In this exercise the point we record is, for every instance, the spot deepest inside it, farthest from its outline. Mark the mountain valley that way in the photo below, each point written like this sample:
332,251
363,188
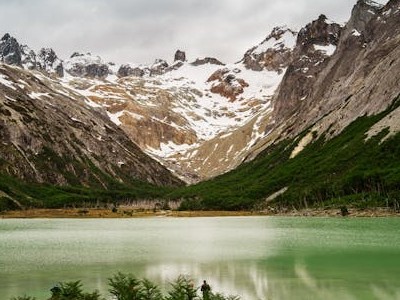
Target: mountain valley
301,119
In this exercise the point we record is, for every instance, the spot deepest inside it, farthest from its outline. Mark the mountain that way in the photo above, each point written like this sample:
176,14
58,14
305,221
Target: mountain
199,119
359,78
50,135
333,134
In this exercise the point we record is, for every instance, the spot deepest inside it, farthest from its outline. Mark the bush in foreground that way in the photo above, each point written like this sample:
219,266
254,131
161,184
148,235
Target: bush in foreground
128,287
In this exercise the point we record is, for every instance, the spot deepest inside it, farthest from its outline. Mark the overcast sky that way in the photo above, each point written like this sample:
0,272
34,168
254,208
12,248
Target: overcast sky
141,30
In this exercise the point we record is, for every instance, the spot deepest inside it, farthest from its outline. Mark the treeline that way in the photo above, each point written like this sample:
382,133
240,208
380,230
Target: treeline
128,287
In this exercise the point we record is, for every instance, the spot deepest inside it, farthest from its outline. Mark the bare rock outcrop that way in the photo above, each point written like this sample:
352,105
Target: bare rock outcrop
180,56
225,83
128,70
207,60
158,67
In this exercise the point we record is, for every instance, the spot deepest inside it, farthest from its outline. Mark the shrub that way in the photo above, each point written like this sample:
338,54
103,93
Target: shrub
182,289
128,287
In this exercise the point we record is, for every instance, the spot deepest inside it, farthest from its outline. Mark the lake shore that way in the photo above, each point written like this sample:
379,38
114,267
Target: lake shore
132,213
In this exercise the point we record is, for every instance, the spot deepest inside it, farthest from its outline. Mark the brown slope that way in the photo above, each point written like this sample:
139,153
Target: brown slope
49,134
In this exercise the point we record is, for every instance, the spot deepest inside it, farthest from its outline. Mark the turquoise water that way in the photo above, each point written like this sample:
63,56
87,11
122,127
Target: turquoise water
254,257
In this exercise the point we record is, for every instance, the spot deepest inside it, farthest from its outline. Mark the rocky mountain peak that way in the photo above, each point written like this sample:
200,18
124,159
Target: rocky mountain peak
28,57
180,56
319,32
10,52
274,53
278,31
6,37
87,65
47,60
363,12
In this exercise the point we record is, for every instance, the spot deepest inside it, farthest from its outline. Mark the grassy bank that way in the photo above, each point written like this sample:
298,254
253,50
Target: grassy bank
131,213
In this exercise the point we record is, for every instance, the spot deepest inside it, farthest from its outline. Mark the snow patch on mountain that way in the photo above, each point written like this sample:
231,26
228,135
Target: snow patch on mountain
281,37
328,49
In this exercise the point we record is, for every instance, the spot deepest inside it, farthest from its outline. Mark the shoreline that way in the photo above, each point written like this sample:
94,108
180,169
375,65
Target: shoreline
125,213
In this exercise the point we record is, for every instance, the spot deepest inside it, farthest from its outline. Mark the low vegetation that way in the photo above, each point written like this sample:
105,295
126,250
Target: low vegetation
128,287
17,194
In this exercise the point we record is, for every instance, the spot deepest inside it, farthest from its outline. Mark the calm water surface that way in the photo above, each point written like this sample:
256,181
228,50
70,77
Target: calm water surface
254,257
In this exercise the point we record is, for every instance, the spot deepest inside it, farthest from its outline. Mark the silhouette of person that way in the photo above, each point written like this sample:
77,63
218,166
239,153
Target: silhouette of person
205,289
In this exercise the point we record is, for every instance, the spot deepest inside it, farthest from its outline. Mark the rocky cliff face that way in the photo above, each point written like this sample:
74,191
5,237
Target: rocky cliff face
315,45
359,78
50,134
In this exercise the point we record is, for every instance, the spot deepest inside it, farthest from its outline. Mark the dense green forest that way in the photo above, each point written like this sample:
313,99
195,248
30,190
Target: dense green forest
345,170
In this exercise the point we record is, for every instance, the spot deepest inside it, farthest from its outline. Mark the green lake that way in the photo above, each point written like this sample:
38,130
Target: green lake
253,257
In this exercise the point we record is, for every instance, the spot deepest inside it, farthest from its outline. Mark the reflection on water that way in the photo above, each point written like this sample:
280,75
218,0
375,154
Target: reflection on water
255,257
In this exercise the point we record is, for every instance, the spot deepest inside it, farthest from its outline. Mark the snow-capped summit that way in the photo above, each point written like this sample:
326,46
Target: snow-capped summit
87,65
47,60
28,57
10,52
274,53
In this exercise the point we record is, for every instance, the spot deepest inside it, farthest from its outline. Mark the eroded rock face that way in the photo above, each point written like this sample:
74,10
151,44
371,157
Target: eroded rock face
225,83
362,13
275,53
10,52
207,60
315,44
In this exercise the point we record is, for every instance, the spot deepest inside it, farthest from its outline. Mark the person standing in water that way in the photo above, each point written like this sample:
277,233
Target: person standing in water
205,289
